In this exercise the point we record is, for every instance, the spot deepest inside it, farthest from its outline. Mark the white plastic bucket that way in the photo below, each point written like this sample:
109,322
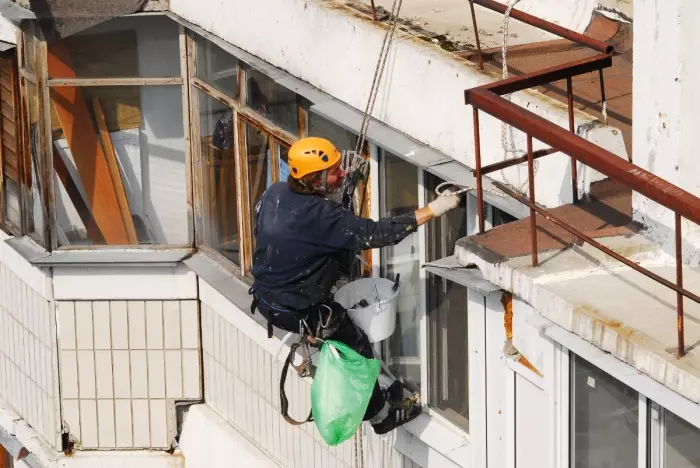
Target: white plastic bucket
378,320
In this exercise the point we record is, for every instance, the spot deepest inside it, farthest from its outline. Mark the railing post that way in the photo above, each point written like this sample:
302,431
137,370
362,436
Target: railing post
574,169
476,35
679,282
533,216
479,184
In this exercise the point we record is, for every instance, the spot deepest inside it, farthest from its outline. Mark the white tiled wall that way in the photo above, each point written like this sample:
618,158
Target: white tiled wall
241,382
123,366
28,369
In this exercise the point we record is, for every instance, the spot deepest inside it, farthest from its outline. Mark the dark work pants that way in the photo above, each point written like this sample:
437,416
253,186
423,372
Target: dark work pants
345,332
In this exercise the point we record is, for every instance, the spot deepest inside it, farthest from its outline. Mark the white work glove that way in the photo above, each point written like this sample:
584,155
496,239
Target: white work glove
443,204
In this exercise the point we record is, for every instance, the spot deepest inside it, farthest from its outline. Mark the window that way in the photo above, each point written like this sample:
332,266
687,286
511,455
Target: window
604,419
120,159
35,206
399,195
146,47
219,179
10,144
324,128
217,67
448,356
272,101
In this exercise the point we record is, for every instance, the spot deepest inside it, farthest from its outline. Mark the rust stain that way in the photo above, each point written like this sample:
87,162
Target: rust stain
524,361
507,301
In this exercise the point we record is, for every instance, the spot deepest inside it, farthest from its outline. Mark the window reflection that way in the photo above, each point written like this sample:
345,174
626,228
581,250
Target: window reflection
274,102
605,419
217,67
218,173
399,195
682,443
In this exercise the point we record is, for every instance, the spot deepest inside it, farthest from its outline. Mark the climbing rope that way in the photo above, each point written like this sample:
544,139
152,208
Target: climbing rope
378,73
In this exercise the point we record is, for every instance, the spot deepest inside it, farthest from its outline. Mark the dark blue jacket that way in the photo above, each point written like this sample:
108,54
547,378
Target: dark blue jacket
299,239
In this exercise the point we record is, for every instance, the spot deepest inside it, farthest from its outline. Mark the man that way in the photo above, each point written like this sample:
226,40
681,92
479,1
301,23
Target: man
300,236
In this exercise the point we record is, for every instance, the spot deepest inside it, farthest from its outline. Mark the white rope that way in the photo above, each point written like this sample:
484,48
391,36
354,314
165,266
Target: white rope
605,111
508,144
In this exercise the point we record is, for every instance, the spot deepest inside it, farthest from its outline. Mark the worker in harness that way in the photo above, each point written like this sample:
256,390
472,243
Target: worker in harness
299,237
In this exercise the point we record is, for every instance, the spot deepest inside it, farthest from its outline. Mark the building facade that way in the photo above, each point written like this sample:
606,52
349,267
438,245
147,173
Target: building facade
135,148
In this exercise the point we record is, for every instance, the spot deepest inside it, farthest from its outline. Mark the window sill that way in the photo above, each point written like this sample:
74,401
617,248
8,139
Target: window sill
107,257
472,278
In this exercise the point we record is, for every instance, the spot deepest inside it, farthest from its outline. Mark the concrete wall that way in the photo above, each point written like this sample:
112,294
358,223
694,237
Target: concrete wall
28,365
422,94
665,111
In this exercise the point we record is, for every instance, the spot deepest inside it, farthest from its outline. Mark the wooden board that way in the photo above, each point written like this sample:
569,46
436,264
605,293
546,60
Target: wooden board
90,160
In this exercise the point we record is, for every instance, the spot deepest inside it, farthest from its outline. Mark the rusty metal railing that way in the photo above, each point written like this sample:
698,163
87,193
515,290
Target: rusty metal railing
489,99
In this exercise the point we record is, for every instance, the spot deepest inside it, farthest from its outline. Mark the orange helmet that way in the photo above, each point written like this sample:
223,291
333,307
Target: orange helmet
312,155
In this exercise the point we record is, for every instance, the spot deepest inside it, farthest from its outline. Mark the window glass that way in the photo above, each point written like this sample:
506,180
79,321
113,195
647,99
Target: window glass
37,216
604,419
682,443
145,46
448,365
324,128
11,121
274,102
399,195
217,67
120,161
258,154
218,175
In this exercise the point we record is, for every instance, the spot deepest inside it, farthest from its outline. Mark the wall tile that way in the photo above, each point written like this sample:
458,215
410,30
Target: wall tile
191,374
159,430
190,324
156,374
101,319
154,325
173,373
86,374
171,323
106,423
139,374
104,373
88,424
122,374
137,324
66,321
119,325
124,429
83,324
142,423
69,374
71,413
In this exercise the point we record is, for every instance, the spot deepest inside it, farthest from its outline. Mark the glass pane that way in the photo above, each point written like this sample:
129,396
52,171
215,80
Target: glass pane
217,67
35,202
274,102
448,369
284,162
147,46
258,156
218,173
449,354
29,49
130,187
11,146
341,138
605,419
682,443
399,195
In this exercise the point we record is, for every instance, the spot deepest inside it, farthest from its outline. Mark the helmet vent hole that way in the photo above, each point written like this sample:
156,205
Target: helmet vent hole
324,158
295,170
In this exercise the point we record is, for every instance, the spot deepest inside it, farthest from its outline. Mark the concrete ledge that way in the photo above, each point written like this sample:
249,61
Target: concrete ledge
607,304
209,441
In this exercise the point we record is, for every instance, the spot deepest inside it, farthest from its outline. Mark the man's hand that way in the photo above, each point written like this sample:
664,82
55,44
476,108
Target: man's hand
443,204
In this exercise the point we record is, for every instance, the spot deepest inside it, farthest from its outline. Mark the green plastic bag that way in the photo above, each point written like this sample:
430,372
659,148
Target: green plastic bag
341,391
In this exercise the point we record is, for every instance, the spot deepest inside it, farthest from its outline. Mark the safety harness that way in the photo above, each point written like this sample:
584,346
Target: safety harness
307,338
